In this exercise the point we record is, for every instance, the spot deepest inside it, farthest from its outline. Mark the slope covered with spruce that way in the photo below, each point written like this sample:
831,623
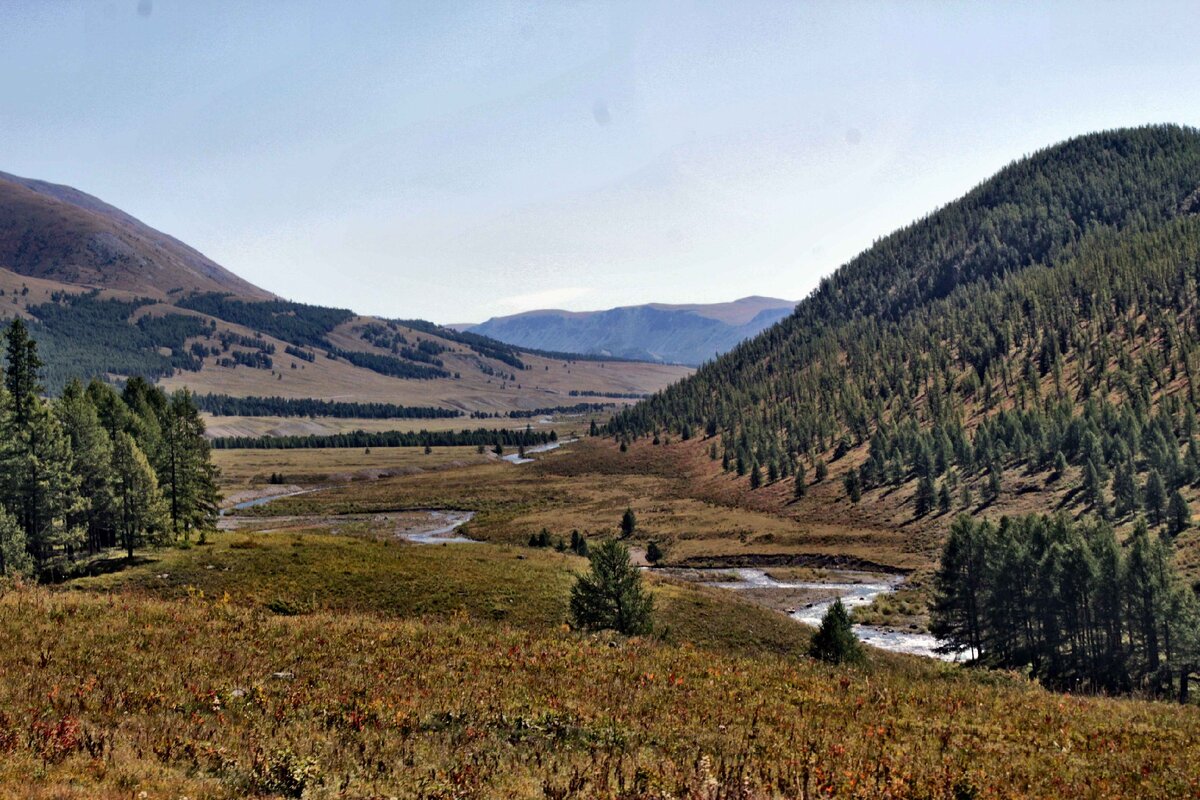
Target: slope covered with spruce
678,334
1031,346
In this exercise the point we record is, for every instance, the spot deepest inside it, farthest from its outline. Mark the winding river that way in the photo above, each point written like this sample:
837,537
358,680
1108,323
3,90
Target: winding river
866,586
516,458
856,589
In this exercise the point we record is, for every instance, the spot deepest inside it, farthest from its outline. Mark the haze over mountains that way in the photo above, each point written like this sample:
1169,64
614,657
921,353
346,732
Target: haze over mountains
676,334
108,296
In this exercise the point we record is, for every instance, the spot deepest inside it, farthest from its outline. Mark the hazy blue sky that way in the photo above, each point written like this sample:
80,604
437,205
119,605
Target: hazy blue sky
453,161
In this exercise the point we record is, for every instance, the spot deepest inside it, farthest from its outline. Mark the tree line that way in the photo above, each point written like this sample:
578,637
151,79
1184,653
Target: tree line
95,468
480,437
1069,602
224,405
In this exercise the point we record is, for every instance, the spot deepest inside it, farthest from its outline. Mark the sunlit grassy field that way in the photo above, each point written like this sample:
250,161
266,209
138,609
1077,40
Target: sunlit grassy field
112,694
241,468
324,660
305,426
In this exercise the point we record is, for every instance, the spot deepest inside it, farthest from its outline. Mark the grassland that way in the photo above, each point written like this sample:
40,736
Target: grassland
111,695
243,468
336,661
307,426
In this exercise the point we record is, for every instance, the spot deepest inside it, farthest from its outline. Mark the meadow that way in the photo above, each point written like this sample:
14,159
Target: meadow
120,694
311,653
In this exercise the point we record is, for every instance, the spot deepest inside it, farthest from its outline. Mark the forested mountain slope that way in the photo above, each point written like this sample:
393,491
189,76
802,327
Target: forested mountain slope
1047,324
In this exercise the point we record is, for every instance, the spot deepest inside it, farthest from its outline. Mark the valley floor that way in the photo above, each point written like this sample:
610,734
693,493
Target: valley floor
314,649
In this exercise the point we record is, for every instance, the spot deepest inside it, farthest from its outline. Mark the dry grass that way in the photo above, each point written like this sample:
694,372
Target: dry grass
109,696
307,426
240,468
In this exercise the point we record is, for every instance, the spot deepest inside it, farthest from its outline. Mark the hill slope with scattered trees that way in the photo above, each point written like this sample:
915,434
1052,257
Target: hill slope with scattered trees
1042,332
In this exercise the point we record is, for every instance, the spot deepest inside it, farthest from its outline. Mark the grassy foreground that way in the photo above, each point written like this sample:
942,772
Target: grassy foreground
111,696
304,572
320,666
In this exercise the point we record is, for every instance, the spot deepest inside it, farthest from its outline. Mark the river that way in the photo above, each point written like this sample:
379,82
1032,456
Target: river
856,589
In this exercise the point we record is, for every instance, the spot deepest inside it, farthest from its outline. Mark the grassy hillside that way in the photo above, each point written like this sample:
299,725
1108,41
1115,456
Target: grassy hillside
271,348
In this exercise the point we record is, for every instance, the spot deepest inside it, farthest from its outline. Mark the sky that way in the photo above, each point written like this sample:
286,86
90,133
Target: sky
455,161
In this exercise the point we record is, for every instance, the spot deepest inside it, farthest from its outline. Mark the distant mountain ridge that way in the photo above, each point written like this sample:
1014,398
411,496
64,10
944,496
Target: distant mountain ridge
106,295
679,334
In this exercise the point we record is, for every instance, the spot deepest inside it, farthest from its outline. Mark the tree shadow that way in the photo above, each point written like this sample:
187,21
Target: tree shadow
104,565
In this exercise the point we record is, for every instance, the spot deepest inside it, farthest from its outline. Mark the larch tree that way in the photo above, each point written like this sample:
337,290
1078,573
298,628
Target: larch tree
141,512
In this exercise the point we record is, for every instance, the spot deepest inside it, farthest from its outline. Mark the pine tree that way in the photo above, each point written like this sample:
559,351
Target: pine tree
853,486
1155,495
945,499
958,610
39,488
835,641
800,488
1060,465
611,595
1125,493
654,553
21,376
141,512
1179,516
91,448
925,497
1093,490
185,470
822,471
14,552
994,483
628,523
756,477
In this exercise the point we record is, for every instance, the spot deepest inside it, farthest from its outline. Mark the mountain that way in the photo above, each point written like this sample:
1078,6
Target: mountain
60,233
106,295
1032,346
678,334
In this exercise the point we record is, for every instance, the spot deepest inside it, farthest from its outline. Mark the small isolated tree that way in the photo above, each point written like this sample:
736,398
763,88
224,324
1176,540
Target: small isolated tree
611,595
654,553
835,641
628,523
755,476
822,470
800,488
853,485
